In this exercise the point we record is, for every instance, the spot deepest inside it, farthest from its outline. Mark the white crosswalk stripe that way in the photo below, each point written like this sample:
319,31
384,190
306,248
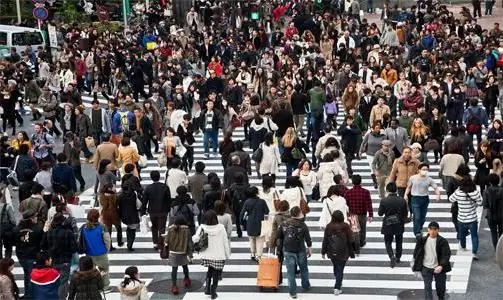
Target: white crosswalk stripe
366,277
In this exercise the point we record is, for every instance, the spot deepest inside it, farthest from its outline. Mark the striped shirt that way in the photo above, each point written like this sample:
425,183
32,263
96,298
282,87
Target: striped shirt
467,205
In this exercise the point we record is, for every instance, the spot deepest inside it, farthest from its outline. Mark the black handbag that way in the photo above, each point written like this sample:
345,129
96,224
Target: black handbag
7,225
391,220
316,192
258,154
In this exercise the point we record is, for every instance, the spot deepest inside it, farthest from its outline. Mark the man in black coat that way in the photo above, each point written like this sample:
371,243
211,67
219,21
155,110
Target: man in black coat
244,157
349,133
367,101
231,172
431,257
395,211
143,125
157,200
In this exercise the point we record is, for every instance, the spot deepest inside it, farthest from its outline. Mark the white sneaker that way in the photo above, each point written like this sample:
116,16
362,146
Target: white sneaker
475,256
461,248
337,292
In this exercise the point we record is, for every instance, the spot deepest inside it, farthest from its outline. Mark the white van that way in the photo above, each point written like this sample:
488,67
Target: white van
21,37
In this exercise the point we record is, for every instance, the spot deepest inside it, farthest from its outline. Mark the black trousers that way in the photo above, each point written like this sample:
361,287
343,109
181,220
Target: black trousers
174,271
212,276
158,227
55,128
362,219
440,283
11,118
77,172
388,240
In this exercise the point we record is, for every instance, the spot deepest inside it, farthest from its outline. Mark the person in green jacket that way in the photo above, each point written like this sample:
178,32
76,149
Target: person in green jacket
317,98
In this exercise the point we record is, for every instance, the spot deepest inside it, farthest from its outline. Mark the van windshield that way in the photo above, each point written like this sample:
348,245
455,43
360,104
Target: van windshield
26,38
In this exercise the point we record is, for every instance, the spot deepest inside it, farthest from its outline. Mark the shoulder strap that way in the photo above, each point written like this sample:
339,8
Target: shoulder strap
15,163
328,207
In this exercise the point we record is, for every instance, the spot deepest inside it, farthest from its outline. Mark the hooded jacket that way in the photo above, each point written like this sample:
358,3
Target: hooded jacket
134,290
294,245
44,283
218,244
86,285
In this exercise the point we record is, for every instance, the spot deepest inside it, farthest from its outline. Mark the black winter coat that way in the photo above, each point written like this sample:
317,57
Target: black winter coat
443,254
393,205
255,209
127,208
86,285
27,239
493,203
60,242
341,230
156,199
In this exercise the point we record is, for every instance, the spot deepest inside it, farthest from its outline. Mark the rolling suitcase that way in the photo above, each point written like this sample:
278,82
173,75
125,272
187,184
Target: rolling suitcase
268,272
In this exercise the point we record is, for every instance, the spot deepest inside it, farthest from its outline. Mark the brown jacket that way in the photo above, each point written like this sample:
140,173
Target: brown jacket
37,204
179,240
107,150
402,171
279,219
110,209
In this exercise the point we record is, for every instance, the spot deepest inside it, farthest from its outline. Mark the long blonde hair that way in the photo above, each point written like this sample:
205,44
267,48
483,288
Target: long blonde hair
289,138
418,131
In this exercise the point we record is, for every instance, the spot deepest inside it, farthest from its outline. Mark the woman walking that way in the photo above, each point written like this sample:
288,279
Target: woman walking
185,206
87,282
131,288
253,213
110,213
217,252
308,178
282,215
337,245
8,286
483,162
94,241
129,204
468,198
293,150
394,209
332,202
270,158
179,251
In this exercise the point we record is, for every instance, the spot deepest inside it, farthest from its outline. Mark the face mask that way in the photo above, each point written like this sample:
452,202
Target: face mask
423,172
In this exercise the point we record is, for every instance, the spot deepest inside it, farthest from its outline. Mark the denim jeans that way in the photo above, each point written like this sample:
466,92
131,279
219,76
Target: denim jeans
291,260
440,280
338,272
64,278
213,135
474,232
419,209
27,265
290,168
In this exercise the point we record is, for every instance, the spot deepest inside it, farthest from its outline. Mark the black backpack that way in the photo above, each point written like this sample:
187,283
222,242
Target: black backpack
338,246
291,234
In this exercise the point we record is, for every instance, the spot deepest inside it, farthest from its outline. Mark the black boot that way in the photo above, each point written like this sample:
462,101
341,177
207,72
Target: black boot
207,289
374,180
130,237
214,284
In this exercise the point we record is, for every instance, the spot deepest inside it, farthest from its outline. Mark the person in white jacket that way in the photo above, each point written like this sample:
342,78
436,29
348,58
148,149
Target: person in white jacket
271,157
217,251
333,202
294,191
131,288
327,170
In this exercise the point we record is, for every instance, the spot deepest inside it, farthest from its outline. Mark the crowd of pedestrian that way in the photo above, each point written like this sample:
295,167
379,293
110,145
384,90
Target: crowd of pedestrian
427,80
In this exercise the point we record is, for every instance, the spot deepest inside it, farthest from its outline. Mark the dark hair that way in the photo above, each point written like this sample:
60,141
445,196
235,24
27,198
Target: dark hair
182,190
37,188
334,190
93,215
423,165
239,178
128,168
210,217
332,142
131,274
175,163
86,263
284,205
61,157
41,258
337,217
293,182
295,211
220,207
493,179
267,182
214,182
467,185
200,166
356,179
57,220
391,187
5,264
155,175
268,139
106,136
238,145
126,141
103,166
23,149
251,191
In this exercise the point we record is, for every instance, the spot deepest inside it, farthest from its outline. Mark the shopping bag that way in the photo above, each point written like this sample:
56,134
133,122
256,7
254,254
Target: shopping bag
143,162
144,224
90,142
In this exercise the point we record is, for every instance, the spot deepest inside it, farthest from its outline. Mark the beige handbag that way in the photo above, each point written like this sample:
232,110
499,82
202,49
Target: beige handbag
90,142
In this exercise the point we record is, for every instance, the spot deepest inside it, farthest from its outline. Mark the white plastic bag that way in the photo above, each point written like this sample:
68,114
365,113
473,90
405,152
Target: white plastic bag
144,224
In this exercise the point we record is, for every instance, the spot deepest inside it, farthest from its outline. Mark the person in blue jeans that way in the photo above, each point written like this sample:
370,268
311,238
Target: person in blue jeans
418,187
210,122
294,241
468,198
27,238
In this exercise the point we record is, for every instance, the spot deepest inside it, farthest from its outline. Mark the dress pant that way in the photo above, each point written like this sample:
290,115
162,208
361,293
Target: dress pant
440,283
362,219
388,240
158,227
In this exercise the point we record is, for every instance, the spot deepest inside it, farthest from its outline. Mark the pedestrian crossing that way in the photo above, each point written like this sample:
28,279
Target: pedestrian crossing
368,276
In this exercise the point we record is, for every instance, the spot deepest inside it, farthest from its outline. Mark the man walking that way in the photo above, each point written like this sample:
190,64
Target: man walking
403,168
431,258
157,200
382,164
359,203
210,123
293,237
